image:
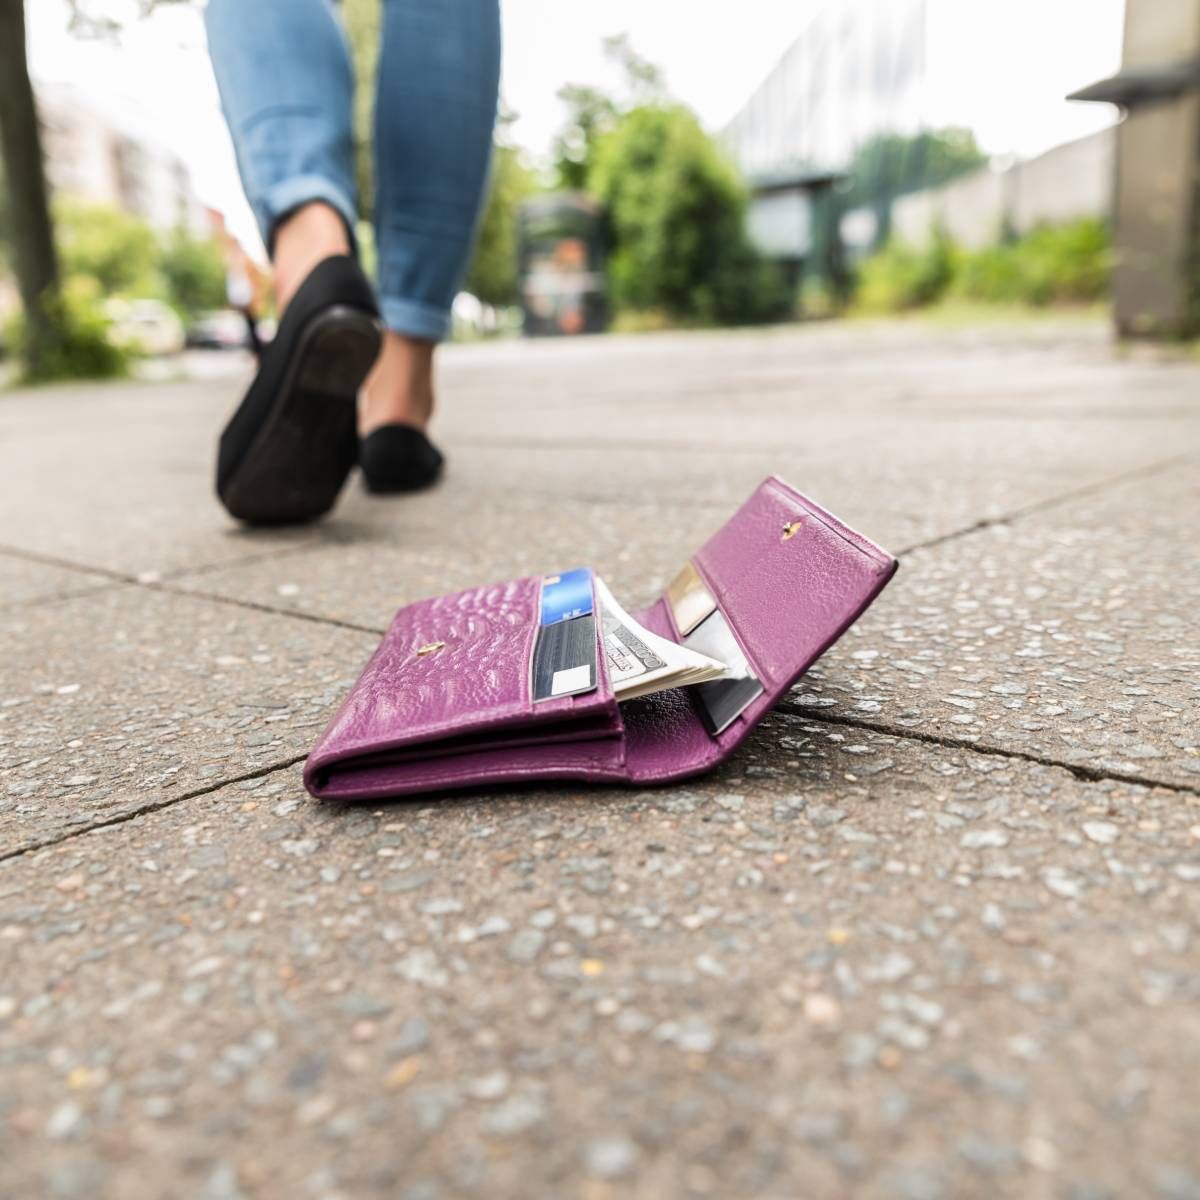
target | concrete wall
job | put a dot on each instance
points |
(1073, 180)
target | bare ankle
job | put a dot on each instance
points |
(305, 237)
(399, 390)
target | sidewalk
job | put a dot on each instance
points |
(932, 933)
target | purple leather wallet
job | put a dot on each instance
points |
(445, 701)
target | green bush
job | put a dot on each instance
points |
(80, 347)
(116, 249)
(1053, 264)
(901, 276)
(992, 274)
(193, 272)
(676, 208)
(494, 266)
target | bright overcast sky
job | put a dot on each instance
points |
(998, 66)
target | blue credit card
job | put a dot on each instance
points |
(566, 596)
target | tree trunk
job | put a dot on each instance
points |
(24, 170)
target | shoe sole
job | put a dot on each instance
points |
(299, 459)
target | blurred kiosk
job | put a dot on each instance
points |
(561, 265)
(1156, 277)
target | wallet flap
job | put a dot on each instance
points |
(790, 578)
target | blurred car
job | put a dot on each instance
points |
(145, 326)
(222, 329)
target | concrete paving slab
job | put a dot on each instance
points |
(1074, 634)
(1013, 374)
(637, 514)
(26, 581)
(126, 698)
(446, 540)
(857, 416)
(131, 488)
(845, 964)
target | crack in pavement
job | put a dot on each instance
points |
(1080, 772)
(168, 582)
(1083, 773)
(152, 806)
(1037, 506)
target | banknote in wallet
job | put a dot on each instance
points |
(641, 662)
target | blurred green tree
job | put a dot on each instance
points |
(893, 164)
(590, 114)
(193, 270)
(116, 249)
(676, 208)
(593, 112)
(361, 19)
(5, 224)
(494, 266)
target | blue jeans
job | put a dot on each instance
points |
(287, 88)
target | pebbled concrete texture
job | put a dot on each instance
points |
(931, 933)
(878, 966)
(1071, 636)
(123, 699)
(26, 581)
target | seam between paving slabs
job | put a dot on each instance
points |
(117, 578)
(1085, 774)
(166, 584)
(152, 806)
(1039, 506)
(1008, 518)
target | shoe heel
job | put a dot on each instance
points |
(342, 348)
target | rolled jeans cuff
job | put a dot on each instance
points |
(290, 194)
(414, 319)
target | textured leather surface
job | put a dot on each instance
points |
(475, 683)
(462, 715)
(787, 600)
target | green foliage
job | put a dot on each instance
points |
(591, 114)
(116, 249)
(1053, 264)
(893, 164)
(494, 267)
(901, 276)
(5, 223)
(193, 271)
(123, 256)
(80, 347)
(361, 19)
(676, 207)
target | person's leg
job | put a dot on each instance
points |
(439, 71)
(287, 89)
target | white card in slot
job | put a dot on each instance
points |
(573, 679)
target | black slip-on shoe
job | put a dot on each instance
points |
(399, 458)
(288, 448)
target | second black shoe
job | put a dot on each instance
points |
(288, 448)
(399, 458)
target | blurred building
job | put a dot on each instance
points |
(855, 72)
(91, 158)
